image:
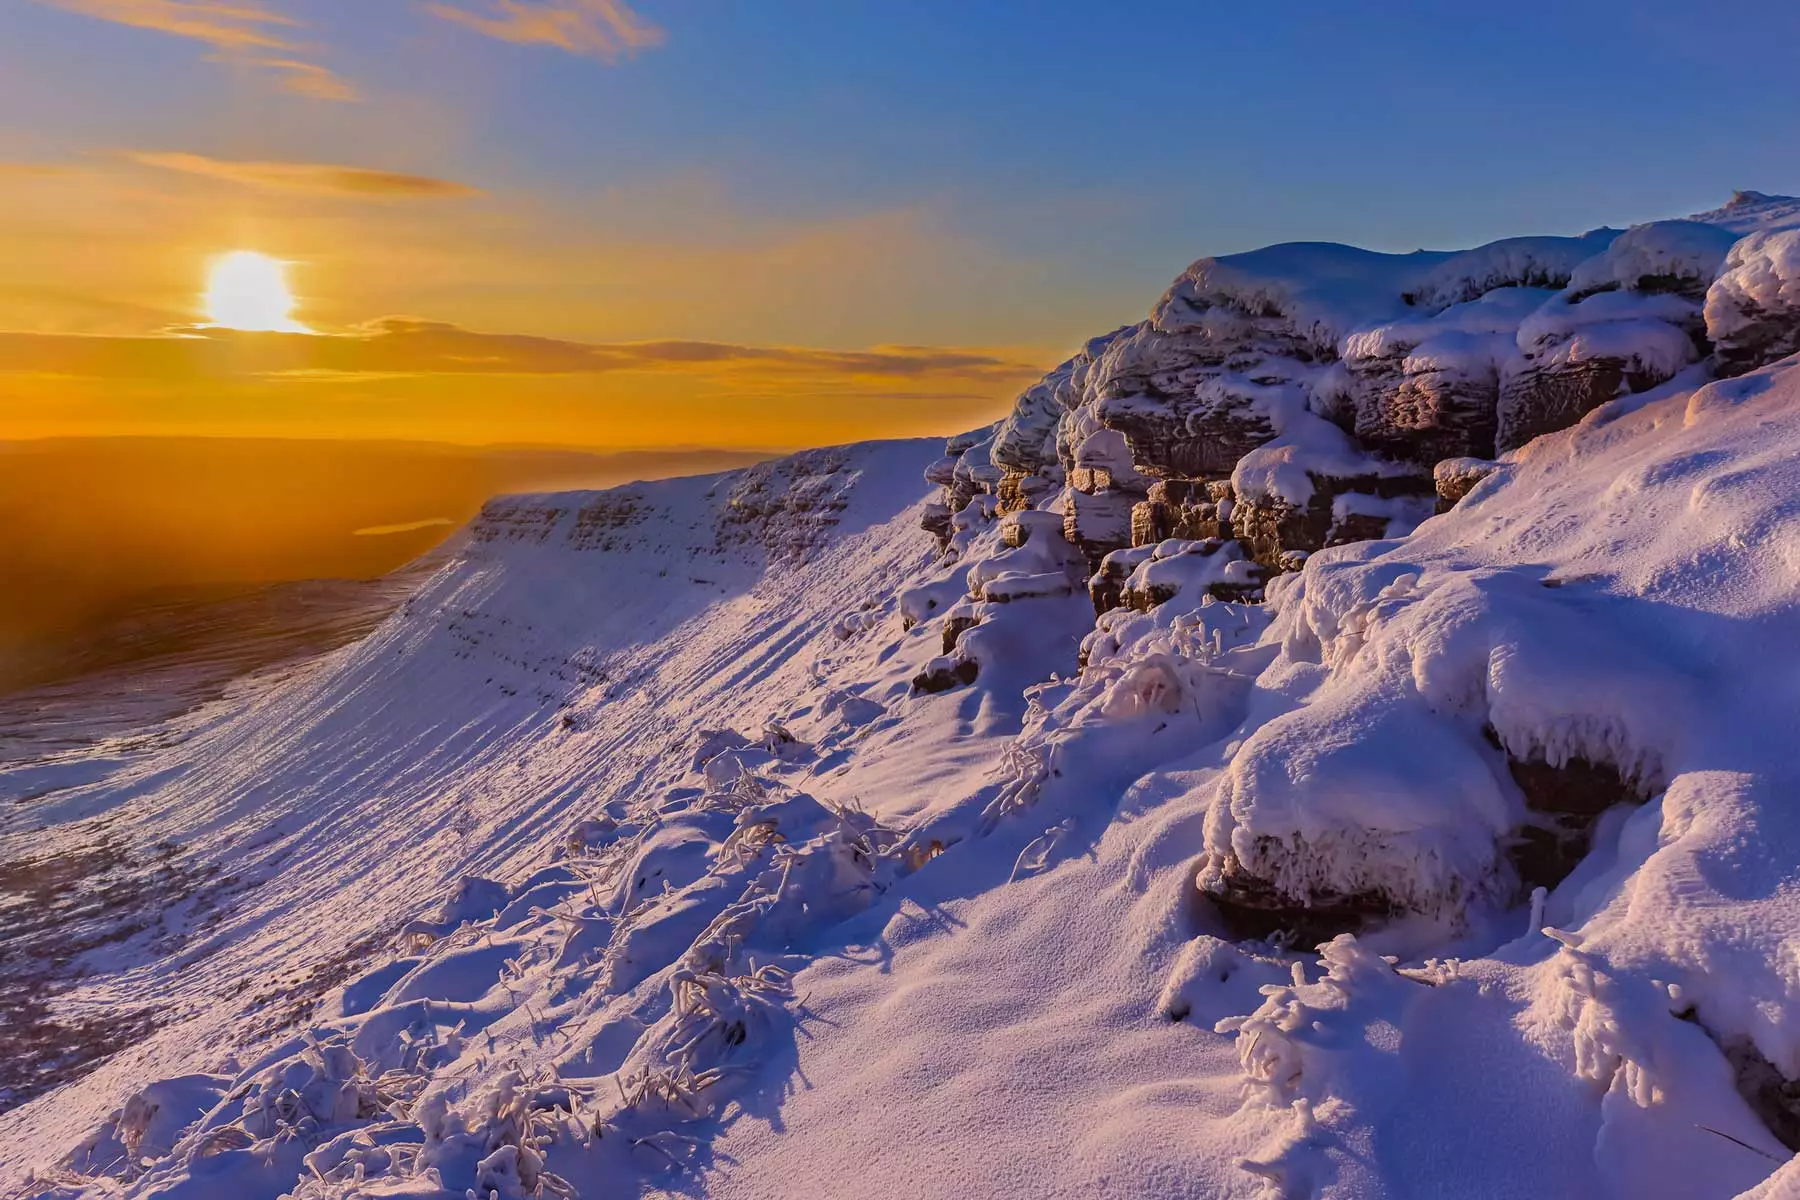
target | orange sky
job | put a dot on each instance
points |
(106, 262)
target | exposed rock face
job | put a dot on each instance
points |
(788, 505)
(1753, 308)
(1629, 320)
(1252, 909)
(1564, 801)
(1273, 527)
(1209, 567)
(1028, 440)
(1106, 587)
(1097, 523)
(1182, 508)
(1290, 501)
(1019, 490)
(1425, 389)
(1455, 478)
(1305, 395)
(965, 471)
(935, 520)
(1228, 357)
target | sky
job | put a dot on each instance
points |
(757, 223)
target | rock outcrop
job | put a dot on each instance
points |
(1308, 394)
(1753, 308)
(1629, 320)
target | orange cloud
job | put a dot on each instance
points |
(26, 170)
(234, 27)
(307, 179)
(237, 25)
(309, 79)
(603, 29)
(417, 380)
(397, 346)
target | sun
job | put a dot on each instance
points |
(249, 291)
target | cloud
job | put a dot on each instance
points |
(225, 24)
(27, 170)
(243, 31)
(401, 346)
(603, 29)
(309, 179)
(309, 79)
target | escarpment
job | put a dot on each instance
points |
(1304, 396)
(1310, 394)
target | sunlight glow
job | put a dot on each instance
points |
(249, 291)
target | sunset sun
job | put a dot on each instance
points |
(249, 291)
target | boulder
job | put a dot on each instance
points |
(1097, 523)
(1455, 478)
(1428, 388)
(1753, 308)
(1629, 320)
(1192, 569)
(1182, 508)
(1106, 587)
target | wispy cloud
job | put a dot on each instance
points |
(409, 346)
(243, 31)
(31, 170)
(308, 79)
(603, 29)
(238, 25)
(310, 179)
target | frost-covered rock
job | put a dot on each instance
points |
(1098, 523)
(1455, 478)
(1191, 569)
(1753, 308)
(1315, 488)
(1191, 509)
(1228, 355)
(1521, 262)
(965, 471)
(1427, 388)
(1629, 320)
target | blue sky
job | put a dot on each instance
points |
(842, 174)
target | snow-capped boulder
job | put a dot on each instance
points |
(1314, 488)
(1097, 523)
(1678, 257)
(1425, 388)
(1192, 569)
(1629, 320)
(1753, 308)
(1455, 478)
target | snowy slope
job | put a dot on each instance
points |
(733, 837)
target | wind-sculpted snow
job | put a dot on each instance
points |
(1251, 785)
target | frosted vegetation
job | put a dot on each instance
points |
(1330, 739)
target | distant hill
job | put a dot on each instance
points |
(98, 530)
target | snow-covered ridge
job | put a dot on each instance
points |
(1236, 779)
